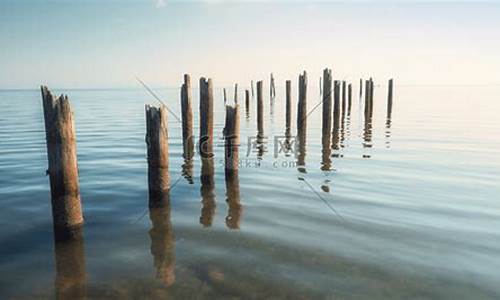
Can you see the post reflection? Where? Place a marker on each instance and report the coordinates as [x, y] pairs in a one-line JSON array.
[[207, 192], [301, 150], [71, 276], [187, 170], [162, 239], [326, 151], [261, 145], [233, 200], [388, 121]]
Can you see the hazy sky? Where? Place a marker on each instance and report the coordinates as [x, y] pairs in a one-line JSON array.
[[107, 43]]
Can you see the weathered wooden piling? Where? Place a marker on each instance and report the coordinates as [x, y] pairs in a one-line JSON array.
[[349, 99], [247, 101], [302, 103], [327, 120], [371, 90], [272, 88], [367, 96], [288, 105], [225, 96], [206, 118], [157, 149], [236, 93], [320, 86], [344, 97], [327, 102], [62, 160], [232, 137], [232, 140], [389, 97], [336, 114], [251, 86], [260, 109], [187, 118]]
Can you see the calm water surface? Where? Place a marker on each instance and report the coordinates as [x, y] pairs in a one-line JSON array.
[[404, 208]]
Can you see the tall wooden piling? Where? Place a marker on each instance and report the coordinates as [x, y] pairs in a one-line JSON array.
[[157, 150], [225, 95], [327, 102], [367, 97], [232, 137], [187, 118], [247, 101], [232, 140], [236, 93], [272, 88], [336, 114], [349, 99], [251, 86], [288, 105], [206, 118], [302, 103], [260, 109], [389, 97], [344, 97], [62, 160], [371, 91]]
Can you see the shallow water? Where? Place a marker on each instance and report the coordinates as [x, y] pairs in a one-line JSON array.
[[407, 207]]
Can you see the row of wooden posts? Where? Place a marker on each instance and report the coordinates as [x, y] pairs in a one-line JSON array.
[[61, 140]]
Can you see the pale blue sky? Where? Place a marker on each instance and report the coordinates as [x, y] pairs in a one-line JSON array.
[[107, 43]]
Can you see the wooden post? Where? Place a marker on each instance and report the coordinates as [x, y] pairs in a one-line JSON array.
[[336, 114], [251, 86], [63, 165], [327, 102], [187, 118], [302, 103], [371, 93], [236, 93], [225, 96], [272, 88], [260, 110], [389, 97], [349, 99], [320, 86], [344, 97], [247, 101], [232, 140], [367, 96], [232, 137], [360, 87], [288, 106], [157, 148], [206, 118]]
